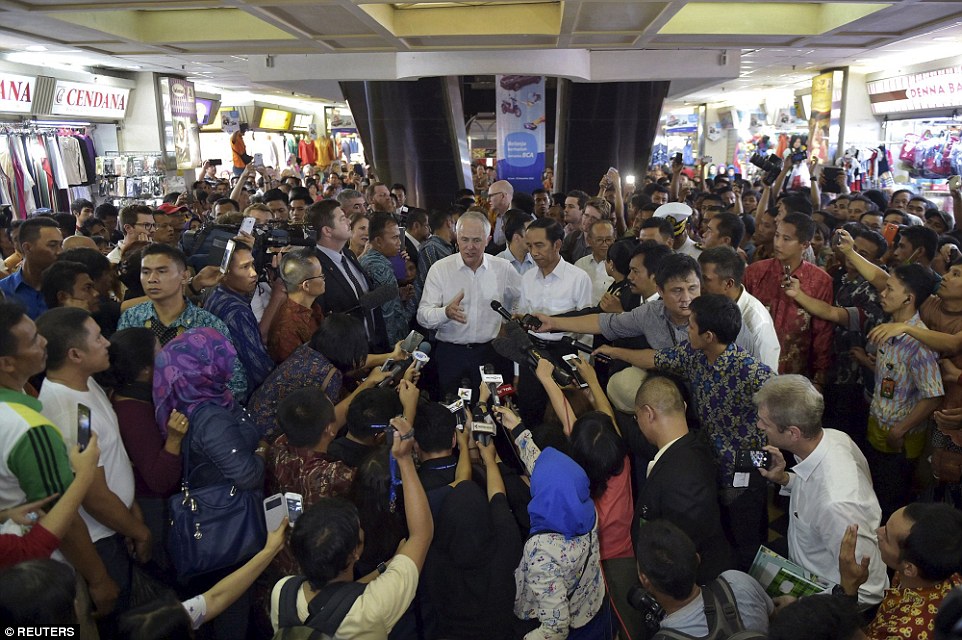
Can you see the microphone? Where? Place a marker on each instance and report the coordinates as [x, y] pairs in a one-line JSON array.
[[568, 341], [493, 379], [420, 359], [497, 306], [528, 322], [516, 346], [398, 369]]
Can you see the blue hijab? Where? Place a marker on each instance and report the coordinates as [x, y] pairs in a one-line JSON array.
[[560, 498]]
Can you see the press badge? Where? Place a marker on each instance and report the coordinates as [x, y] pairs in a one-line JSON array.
[[887, 390], [740, 479]]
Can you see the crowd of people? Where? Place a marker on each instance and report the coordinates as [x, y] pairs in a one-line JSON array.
[[521, 415]]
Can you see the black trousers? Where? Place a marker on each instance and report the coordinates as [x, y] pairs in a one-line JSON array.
[[457, 362]]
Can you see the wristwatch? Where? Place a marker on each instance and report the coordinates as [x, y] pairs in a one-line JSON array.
[[381, 568]]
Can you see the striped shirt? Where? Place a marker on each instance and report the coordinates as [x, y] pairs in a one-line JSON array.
[[33, 456]]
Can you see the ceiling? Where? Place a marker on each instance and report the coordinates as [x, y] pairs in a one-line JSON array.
[[300, 46]]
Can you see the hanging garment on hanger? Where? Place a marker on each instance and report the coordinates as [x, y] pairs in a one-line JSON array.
[[56, 161], [25, 181], [73, 165], [89, 155]]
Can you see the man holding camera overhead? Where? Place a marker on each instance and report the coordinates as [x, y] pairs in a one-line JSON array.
[[456, 303]]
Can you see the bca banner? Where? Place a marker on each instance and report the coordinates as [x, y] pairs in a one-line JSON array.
[[521, 122]]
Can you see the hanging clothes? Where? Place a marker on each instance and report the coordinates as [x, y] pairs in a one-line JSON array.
[[73, 160]]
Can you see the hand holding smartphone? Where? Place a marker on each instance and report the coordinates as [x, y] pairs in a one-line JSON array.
[[83, 426]]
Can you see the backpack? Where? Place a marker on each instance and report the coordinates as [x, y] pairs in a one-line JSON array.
[[717, 596], [326, 611]]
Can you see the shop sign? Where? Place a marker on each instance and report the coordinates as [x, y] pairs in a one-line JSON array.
[[677, 125], [917, 92], [16, 93], [96, 100]]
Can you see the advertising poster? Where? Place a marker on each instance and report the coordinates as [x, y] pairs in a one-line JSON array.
[[825, 121], [520, 125], [180, 111]]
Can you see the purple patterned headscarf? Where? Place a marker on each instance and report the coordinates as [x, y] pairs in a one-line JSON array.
[[190, 370]]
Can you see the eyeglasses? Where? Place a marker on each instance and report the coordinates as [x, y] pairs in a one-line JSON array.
[[149, 226], [496, 193], [312, 278]]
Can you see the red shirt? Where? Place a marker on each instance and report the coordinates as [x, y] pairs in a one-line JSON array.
[[806, 341], [37, 543], [292, 326], [615, 511]]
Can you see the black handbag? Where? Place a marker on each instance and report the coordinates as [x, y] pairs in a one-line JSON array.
[[213, 527]]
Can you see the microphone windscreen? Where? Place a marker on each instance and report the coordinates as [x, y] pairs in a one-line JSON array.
[[425, 348], [506, 348]]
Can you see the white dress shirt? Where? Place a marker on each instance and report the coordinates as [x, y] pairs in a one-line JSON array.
[[758, 322], [495, 279], [690, 248], [830, 490], [600, 280], [567, 288]]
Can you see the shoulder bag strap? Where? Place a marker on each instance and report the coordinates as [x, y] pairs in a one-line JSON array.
[[287, 603]]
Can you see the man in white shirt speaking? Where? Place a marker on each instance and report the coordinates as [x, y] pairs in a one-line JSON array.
[[555, 287], [456, 303], [829, 488]]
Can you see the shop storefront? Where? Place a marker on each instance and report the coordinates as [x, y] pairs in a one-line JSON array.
[[277, 137], [52, 131], [922, 127]]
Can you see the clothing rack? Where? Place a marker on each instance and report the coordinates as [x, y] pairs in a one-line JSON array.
[[19, 128]]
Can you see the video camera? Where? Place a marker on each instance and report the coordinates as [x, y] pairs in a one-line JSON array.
[[771, 166], [206, 245]]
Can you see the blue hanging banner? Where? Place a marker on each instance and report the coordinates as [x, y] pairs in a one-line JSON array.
[[521, 122]]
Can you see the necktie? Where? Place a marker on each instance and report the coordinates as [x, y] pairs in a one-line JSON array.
[[368, 315]]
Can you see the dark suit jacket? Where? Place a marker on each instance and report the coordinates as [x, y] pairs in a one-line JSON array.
[[682, 488], [339, 297], [412, 252]]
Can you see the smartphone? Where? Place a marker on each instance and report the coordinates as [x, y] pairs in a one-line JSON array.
[[747, 459], [678, 159], [411, 342], [228, 252], [707, 160], [530, 322], [889, 231], [295, 507], [629, 180], [955, 182], [787, 278], [275, 508], [214, 162], [83, 426], [247, 226], [737, 177], [387, 364], [258, 160], [573, 361]]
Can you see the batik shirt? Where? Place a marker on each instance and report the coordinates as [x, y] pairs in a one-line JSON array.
[[722, 392], [806, 341], [910, 613], [235, 311], [397, 314], [144, 315]]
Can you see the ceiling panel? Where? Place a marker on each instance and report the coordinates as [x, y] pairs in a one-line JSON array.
[[331, 20], [898, 20], [617, 16], [358, 43]]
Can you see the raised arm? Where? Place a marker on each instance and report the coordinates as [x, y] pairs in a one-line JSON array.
[[576, 324], [559, 403], [816, 307], [946, 343], [416, 509], [641, 358], [876, 276], [598, 398]]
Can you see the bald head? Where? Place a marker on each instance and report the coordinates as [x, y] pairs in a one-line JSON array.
[[79, 242], [500, 194], [662, 395]]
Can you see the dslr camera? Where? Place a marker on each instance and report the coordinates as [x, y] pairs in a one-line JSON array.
[[770, 165]]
